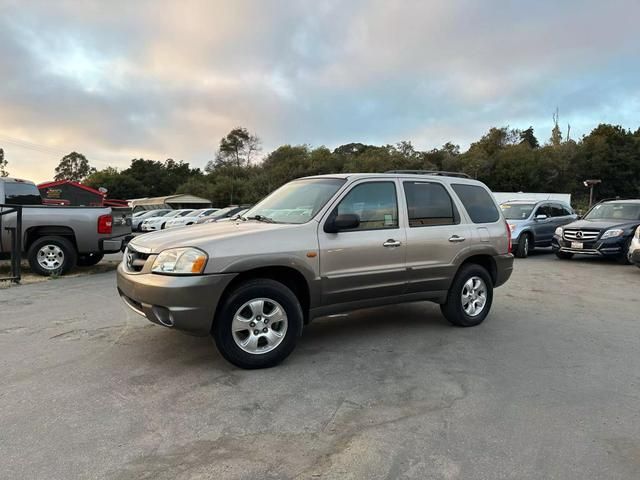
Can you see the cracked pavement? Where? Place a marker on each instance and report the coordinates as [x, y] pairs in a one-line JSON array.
[[548, 387]]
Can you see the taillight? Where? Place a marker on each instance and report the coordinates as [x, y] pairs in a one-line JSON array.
[[105, 223], [508, 236]]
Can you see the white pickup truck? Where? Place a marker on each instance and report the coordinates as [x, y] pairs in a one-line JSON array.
[[57, 238]]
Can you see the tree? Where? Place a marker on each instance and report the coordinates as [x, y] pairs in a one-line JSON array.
[[236, 149], [556, 134], [75, 167], [3, 165], [528, 138]]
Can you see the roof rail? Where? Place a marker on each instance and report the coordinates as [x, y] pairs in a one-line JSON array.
[[613, 199], [430, 172]]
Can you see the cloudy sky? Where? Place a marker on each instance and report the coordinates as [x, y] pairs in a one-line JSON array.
[[120, 80]]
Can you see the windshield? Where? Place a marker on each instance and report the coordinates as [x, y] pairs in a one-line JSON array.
[[184, 213], [223, 212], [614, 211], [517, 211], [297, 201]]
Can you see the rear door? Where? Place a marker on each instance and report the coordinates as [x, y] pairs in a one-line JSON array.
[[435, 235], [368, 261]]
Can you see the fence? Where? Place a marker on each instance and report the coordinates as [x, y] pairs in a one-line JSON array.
[[15, 235]]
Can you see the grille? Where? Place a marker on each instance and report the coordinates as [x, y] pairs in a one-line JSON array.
[[581, 235], [135, 260]]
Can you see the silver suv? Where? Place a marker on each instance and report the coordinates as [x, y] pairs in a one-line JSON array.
[[533, 223], [317, 246]]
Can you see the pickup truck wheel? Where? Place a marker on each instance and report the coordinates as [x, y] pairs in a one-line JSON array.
[[469, 298], [258, 324], [52, 256], [89, 259]]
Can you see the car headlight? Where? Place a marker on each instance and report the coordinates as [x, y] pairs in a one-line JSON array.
[[559, 231], [614, 232], [180, 261]]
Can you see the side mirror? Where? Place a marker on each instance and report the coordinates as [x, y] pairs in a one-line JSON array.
[[341, 222], [542, 216]]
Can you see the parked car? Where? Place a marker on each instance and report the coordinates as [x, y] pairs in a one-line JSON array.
[[139, 217], [356, 240], [634, 248], [533, 223], [159, 223], [223, 213], [190, 219], [57, 238], [606, 230]]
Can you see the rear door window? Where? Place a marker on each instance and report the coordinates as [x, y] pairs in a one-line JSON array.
[[429, 204], [18, 193], [478, 203]]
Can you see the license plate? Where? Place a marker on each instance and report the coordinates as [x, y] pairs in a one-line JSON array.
[[576, 244]]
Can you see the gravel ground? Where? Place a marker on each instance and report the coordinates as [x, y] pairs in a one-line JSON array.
[[548, 387]]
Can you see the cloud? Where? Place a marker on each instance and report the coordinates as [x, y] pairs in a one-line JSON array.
[[120, 80]]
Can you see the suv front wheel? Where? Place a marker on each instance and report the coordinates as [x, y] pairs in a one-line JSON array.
[[258, 324], [469, 298]]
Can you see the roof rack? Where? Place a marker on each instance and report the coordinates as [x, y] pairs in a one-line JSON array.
[[430, 172]]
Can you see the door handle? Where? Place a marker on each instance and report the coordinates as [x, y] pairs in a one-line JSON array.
[[392, 243], [456, 238]]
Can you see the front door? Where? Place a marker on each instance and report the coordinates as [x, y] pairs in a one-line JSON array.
[[543, 228], [368, 261]]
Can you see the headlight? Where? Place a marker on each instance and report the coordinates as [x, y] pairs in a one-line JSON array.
[[180, 261], [614, 232], [559, 231]]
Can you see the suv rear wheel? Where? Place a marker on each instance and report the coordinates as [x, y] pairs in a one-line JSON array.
[[469, 298], [258, 324]]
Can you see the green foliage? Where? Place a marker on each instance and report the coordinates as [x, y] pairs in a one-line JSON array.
[[505, 159], [3, 164], [75, 167]]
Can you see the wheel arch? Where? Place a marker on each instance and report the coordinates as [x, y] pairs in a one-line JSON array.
[[484, 260], [289, 276], [33, 233]]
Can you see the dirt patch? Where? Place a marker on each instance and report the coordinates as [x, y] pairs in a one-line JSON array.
[[29, 277]]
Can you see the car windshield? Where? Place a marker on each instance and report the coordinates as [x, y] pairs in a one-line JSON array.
[[172, 213], [184, 213], [517, 211], [614, 211], [297, 201]]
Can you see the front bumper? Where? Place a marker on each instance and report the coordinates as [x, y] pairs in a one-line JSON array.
[[185, 303], [611, 247], [504, 268]]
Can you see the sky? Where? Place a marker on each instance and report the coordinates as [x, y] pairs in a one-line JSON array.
[[167, 79]]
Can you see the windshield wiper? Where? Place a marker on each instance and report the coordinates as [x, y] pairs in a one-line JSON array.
[[261, 218]]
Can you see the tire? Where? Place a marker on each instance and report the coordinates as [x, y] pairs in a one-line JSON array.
[[564, 255], [89, 259], [162, 227], [524, 246], [61, 253], [454, 310], [624, 259], [268, 349]]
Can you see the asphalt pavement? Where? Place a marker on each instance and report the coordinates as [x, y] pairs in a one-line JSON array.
[[547, 388]]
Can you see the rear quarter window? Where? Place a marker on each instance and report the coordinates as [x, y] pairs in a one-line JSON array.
[[477, 202]]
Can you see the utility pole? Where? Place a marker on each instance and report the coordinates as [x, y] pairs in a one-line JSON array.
[[590, 184]]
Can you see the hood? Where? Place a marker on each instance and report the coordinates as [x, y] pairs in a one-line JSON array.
[[203, 234], [602, 224]]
